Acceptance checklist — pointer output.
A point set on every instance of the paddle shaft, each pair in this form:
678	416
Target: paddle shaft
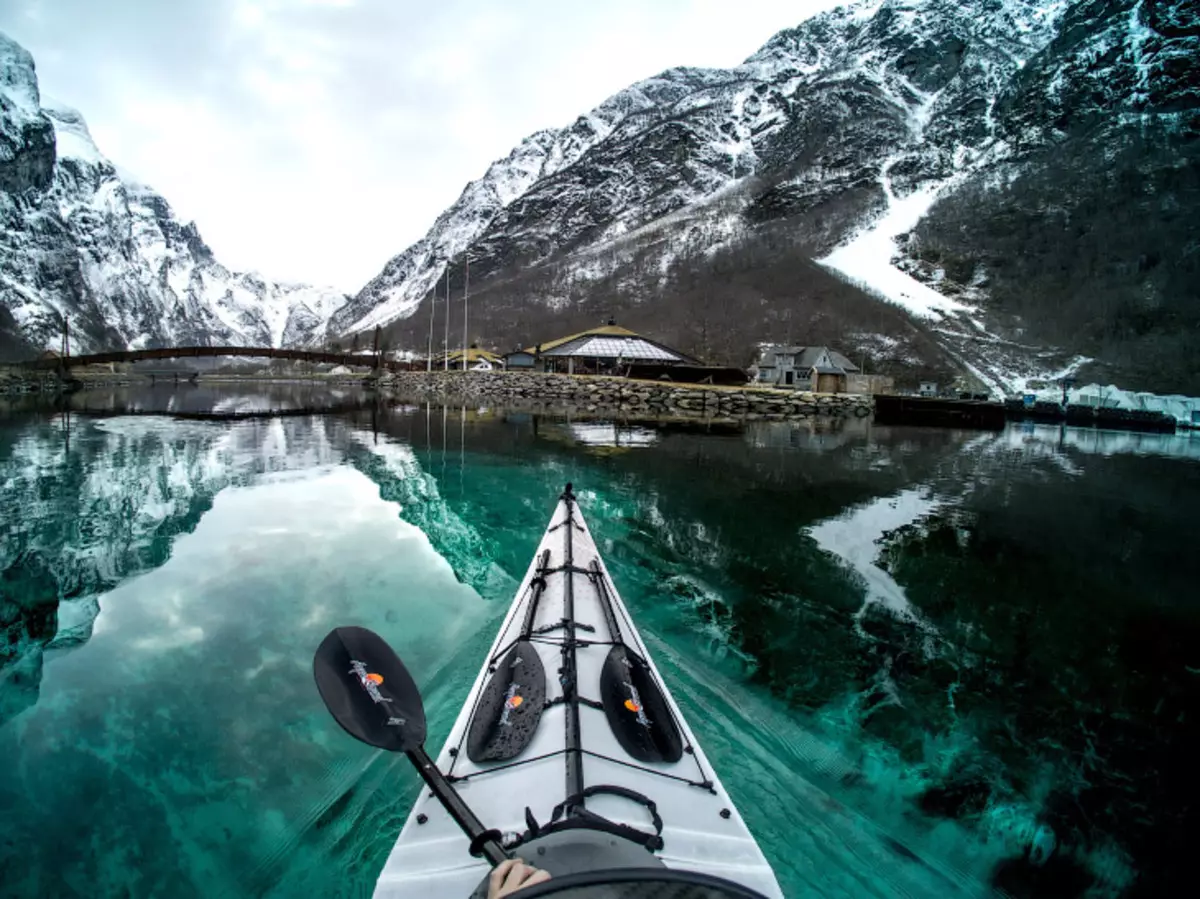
452	803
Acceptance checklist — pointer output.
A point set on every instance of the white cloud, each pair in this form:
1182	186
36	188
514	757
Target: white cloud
315	139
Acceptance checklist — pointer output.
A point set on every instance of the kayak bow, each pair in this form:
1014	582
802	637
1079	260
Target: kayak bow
605	762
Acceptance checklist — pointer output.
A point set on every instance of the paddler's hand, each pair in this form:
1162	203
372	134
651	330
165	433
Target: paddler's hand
511	875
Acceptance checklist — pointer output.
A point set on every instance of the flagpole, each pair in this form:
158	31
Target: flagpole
446	341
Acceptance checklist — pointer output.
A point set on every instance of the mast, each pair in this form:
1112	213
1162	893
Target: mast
466	291
432	315
446	340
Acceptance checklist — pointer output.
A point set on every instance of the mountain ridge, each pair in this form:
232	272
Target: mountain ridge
813	145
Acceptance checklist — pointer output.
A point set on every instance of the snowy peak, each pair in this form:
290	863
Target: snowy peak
18	78
408	278
72	138
26	135
82	240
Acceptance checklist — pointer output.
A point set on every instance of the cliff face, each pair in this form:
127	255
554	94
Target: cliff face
1086	233
82	240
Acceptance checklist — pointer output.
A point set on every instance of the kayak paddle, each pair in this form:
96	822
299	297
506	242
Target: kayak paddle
511	705
633	702
372	696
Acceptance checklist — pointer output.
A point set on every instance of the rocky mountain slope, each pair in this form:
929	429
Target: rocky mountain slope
83	240
944	158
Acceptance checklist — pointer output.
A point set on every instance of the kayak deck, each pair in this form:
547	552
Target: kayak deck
701	828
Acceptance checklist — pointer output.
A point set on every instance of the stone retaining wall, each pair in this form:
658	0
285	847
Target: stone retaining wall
14	380
621	394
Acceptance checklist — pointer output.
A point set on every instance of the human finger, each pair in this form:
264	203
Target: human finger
500	874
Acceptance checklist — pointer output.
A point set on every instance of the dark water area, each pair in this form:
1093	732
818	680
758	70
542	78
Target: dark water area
924	662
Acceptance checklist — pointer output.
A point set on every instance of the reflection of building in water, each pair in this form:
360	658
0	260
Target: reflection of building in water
820	433
601	433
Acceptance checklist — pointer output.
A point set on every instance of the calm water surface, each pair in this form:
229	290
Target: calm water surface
925	662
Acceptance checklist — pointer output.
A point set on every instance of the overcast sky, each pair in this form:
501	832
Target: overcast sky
312	140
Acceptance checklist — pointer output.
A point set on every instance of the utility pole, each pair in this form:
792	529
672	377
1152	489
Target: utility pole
466	293
446	339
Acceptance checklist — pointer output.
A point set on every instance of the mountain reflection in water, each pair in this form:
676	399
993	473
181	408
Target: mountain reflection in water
924	661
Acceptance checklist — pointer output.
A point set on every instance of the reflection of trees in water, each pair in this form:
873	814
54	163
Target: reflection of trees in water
1070	660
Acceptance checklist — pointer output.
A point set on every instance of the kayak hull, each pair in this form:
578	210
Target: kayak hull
701	828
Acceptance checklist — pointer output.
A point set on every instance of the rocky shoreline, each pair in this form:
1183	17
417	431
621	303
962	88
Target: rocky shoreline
653	399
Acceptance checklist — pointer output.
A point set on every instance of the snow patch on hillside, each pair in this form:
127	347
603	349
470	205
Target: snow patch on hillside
868	258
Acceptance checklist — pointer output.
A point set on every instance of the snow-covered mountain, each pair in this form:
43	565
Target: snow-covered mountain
783	198
81	239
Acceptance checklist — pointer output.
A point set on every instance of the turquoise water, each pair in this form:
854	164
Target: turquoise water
924	662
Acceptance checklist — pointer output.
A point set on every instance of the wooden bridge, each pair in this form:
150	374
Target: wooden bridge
373	360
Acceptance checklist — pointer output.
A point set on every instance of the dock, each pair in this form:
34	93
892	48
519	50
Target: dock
1092	417
981	415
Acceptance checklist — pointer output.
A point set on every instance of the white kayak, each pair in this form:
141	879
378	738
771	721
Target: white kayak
570	730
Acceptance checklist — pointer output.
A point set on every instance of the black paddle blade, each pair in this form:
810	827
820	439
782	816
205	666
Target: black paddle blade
368	690
511	706
636	709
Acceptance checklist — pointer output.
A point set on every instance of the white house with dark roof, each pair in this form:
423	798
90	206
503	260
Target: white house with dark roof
816	368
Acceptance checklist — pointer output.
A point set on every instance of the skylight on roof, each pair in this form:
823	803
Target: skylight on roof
628	348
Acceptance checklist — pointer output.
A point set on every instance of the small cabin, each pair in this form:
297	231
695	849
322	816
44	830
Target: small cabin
519	360
927	388
477	360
